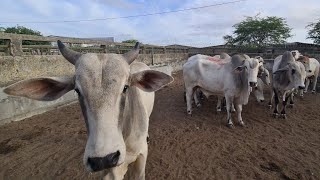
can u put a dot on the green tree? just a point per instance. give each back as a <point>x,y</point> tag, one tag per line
<point>131,41</point>
<point>23,30</point>
<point>259,32</point>
<point>314,32</point>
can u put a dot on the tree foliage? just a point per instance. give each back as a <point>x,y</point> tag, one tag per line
<point>259,32</point>
<point>131,41</point>
<point>24,30</point>
<point>314,32</point>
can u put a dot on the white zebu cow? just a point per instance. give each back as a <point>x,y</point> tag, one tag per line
<point>116,98</point>
<point>263,80</point>
<point>286,77</point>
<point>312,67</point>
<point>228,79</point>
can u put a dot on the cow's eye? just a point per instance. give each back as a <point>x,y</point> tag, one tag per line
<point>293,71</point>
<point>125,89</point>
<point>77,91</point>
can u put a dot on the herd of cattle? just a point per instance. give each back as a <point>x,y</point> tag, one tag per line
<point>234,78</point>
<point>116,97</point>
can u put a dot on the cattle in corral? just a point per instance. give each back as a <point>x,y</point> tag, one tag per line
<point>312,67</point>
<point>116,96</point>
<point>286,78</point>
<point>228,79</point>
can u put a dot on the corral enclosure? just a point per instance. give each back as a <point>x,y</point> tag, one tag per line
<point>51,145</point>
<point>182,147</point>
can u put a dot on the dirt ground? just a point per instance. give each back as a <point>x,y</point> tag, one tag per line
<point>51,145</point>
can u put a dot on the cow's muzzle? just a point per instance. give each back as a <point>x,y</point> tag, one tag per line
<point>252,84</point>
<point>101,163</point>
<point>301,87</point>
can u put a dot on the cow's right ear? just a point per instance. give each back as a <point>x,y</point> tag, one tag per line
<point>239,69</point>
<point>281,70</point>
<point>43,89</point>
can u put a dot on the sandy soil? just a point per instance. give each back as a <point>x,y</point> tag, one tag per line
<point>51,145</point>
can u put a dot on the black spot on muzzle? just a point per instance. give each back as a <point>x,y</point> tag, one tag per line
<point>101,163</point>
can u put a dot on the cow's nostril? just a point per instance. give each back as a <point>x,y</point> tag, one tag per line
<point>309,71</point>
<point>261,100</point>
<point>100,163</point>
<point>252,84</point>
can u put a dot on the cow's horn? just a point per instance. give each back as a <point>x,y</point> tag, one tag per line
<point>69,54</point>
<point>133,54</point>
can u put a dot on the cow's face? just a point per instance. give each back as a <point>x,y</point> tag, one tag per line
<point>253,68</point>
<point>102,82</point>
<point>265,76</point>
<point>293,74</point>
<point>306,63</point>
<point>296,54</point>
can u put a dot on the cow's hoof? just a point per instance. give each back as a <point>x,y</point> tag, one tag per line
<point>199,105</point>
<point>242,124</point>
<point>275,115</point>
<point>218,109</point>
<point>270,106</point>
<point>313,91</point>
<point>284,116</point>
<point>231,126</point>
<point>189,113</point>
<point>291,105</point>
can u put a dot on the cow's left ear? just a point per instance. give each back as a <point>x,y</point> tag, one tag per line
<point>150,80</point>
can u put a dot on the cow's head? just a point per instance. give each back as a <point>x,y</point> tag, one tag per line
<point>306,63</point>
<point>291,76</point>
<point>253,65</point>
<point>102,82</point>
<point>264,75</point>
<point>296,54</point>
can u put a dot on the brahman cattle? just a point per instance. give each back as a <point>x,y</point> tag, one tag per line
<point>263,80</point>
<point>312,67</point>
<point>230,79</point>
<point>287,76</point>
<point>116,97</point>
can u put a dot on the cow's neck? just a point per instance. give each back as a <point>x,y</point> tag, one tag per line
<point>135,117</point>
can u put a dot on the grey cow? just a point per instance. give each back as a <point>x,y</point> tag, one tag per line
<point>287,77</point>
<point>116,98</point>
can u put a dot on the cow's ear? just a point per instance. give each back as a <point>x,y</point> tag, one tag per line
<point>150,80</point>
<point>284,69</point>
<point>43,89</point>
<point>239,69</point>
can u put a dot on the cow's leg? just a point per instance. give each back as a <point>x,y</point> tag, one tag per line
<point>137,170</point>
<point>307,85</point>
<point>117,173</point>
<point>276,103</point>
<point>239,110</point>
<point>219,104</point>
<point>229,102</point>
<point>291,100</point>
<point>196,98</point>
<point>189,93</point>
<point>232,108</point>
<point>284,104</point>
<point>271,98</point>
<point>314,84</point>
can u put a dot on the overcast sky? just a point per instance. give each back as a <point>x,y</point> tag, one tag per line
<point>202,27</point>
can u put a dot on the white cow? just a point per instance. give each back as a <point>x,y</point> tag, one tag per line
<point>116,97</point>
<point>263,80</point>
<point>286,77</point>
<point>312,67</point>
<point>228,79</point>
